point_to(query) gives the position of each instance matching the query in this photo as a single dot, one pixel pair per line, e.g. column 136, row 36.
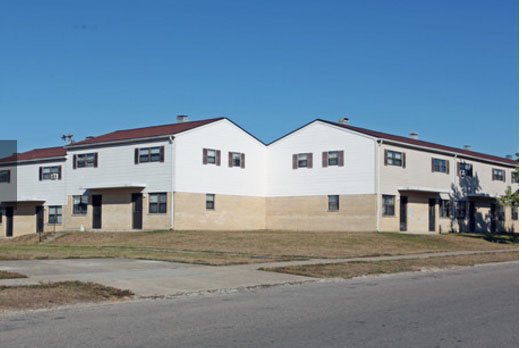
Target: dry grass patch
column 360, row 268
column 47, row 295
column 221, row 247
column 11, row 275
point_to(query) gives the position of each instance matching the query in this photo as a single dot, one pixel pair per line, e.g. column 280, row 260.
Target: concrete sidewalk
column 160, row 278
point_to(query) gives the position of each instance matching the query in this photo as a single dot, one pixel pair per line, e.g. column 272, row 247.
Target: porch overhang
column 27, row 200
column 417, row 189
column 481, row 197
column 120, row 186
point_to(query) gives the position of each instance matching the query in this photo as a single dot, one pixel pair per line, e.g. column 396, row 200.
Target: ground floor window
column 388, row 205
column 444, row 208
column 333, row 203
column 514, row 213
column 461, row 210
column 210, row 201
column 157, row 203
column 55, row 214
column 80, row 205
column 501, row 215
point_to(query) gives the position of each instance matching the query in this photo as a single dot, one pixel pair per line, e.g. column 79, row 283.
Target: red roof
column 417, row 142
column 36, row 154
column 146, row 132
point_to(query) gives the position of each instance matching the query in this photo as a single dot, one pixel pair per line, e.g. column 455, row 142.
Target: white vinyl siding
column 356, row 178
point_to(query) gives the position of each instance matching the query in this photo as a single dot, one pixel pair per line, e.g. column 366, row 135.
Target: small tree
column 511, row 197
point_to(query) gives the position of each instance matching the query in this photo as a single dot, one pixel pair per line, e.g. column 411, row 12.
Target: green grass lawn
column 223, row 247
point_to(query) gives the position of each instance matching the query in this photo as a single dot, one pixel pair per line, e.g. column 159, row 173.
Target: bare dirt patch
column 11, row 275
column 360, row 268
column 47, row 295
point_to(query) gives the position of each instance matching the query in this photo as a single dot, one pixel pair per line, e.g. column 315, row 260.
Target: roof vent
column 68, row 138
column 509, row 156
column 414, row 135
column 89, row 137
column 182, row 118
column 467, row 147
column 344, row 120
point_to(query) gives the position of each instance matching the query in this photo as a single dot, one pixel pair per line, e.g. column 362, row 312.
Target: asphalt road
column 473, row 307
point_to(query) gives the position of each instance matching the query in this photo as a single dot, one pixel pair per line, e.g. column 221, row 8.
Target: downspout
column 171, row 142
column 378, row 143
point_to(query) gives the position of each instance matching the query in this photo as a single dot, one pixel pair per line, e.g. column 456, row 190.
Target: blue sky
column 445, row 69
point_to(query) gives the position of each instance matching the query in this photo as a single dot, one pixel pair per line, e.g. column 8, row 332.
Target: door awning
column 109, row 186
column 424, row 190
column 23, row 200
column 481, row 197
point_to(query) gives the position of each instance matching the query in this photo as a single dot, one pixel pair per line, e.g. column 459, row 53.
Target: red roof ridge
column 417, row 142
column 35, row 154
column 145, row 132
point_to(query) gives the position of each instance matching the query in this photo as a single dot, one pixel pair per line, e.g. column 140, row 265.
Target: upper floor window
column 236, row 159
column 465, row 169
column 302, row 160
column 444, row 208
column 85, row 160
column 514, row 177
column 211, row 156
column 394, row 158
column 55, row 214
column 333, row 203
column 388, row 205
column 439, row 165
column 333, row 158
column 51, row 173
column 498, row 174
column 157, row 203
column 80, row 205
column 149, row 154
column 5, row 176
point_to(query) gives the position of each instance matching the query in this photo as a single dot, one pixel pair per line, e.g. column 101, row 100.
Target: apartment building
column 32, row 192
column 214, row 175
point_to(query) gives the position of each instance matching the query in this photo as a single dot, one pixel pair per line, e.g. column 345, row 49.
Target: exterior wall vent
column 182, row 118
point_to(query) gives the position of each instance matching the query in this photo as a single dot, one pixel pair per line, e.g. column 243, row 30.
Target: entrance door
column 137, row 211
column 404, row 213
column 97, row 211
column 471, row 213
column 431, row 214
column 9, row 212
column 493, row 217
column 39, row 219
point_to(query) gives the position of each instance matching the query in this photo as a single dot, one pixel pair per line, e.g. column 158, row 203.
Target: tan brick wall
column 117, row 213
column 73, row 221
column 155, row 221
column 357, row 213
column 418, row 209
column 417, row 215
column 24, row 221
column 230, row 213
